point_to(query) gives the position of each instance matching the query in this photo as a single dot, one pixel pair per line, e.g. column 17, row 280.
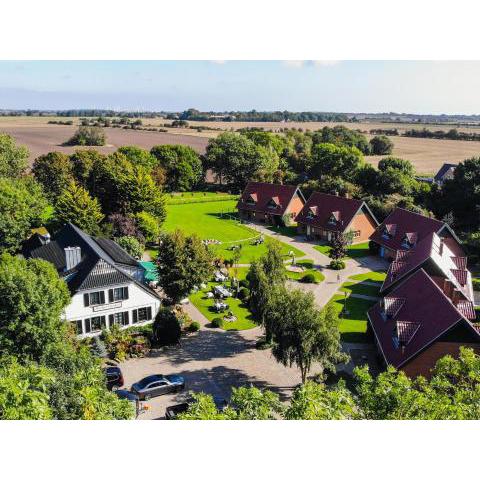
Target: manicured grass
column 370, row 276
column 354, row 251
column 361, row 289
column 241, row 272
column 194, row 197
column 308, row 266
column 240, row 310
column 209, row 221
column 354, row 326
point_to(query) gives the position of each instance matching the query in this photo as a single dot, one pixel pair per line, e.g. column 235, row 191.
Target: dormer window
column 252, row 199
column 403, row 332
column 389, row 231
column 273, row 203
column 312, row 212
column 409, row 240
column 391, row 306
column 334, row 218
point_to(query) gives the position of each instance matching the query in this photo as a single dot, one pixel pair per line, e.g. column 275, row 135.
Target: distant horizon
column 355, row 87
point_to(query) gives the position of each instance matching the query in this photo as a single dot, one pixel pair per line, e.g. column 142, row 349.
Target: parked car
column 155, row 385
column 172, row 412
column 114, row 377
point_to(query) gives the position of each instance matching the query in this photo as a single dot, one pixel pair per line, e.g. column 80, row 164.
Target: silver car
column 155, row 385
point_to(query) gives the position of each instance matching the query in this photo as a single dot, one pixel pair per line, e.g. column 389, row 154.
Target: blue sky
column 346, row 86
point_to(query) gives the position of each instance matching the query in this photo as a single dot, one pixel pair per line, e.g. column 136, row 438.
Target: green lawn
column 205, row 305
column 354, row 325
column 308, row 266
column 208, row 220
column 194, row 197
column 370, row 276
column 241, row 272
column 354, row 251
column 361, row 289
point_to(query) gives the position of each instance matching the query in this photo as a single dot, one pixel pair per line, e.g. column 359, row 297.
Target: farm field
column 205, row 219
column 427, row 155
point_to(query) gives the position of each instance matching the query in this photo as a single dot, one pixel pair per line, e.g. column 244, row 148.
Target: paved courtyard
column 213, row 361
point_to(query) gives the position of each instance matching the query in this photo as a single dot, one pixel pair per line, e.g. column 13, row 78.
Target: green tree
column 202, row 408
column 166, row 327
column 302, row 334
column 22, row 207
column 88, row 136
column 339, row 245
column 314, row 401
column 343, row 137
column 32, row 298
column 381, row 145
column 131, row 245
column 183, row 263
column 237, row 160
column 139, row 156
column 13, row 159
column 54, row 172
column 24, row 391
column 182, row 166
column 76, row 206
column 404, row 166
column 83, row 164
column 334, row 160
column 148, row 226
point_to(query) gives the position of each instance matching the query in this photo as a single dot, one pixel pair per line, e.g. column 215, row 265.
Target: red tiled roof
column 460, row 262
column 392, row 305
column 460, row 275
column 402, row 222
column 265, row 193
column 467, row 309
column 324, row 206
column 425, row 315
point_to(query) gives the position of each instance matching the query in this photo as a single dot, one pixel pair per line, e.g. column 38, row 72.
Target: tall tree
column 13, row 158
column 54, row 172
column 32, row 298
column 139, row 156
column 339, row 245
column 181, row 164
column 334, row 160
column 75, row 205
column 183, row 263
column 22, row 207
column 302, row 334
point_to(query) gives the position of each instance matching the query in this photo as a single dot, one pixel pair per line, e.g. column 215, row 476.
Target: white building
column 106, row 283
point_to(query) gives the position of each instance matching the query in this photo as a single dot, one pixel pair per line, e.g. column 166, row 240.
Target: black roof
column 101, row 260
column 443, row 170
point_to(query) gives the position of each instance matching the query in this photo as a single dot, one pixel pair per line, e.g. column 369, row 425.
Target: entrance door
column 382, row 251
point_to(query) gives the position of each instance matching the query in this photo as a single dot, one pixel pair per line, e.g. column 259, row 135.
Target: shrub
column 98, row 348
column 91, row 136
column 337, row 265
column 166, row 328
column 244, row 283
column 262, row 344
column 243, row 293
column 194, row 327
column 476, row 284
column 124, row 343
column 308, row 278
column 217, row 322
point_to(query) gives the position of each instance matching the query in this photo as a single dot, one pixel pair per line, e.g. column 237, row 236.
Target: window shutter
column 125, row 293
column 110, row 295
column 135, row 316
column 86, row 299
column 102, row 297
column 149, row 313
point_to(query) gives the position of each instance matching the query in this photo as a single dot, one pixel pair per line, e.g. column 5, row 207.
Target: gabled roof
column 402, row 222
column 425, row 314
column 445, row 168
column 324, row 206
column 431, row 248
column 101, row 260
column 265, row 194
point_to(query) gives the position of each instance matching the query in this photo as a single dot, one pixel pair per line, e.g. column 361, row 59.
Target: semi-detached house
column 106, row 284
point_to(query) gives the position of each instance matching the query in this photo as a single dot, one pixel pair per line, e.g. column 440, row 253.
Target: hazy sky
column 347, row 86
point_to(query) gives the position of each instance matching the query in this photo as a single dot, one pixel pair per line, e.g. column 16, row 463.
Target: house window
column 117, row 294
column 78, row 327
column 120, row 318
column 142, row 315
column 332, row 220
column 356, row 233
column 95, row 324
column 94, row 298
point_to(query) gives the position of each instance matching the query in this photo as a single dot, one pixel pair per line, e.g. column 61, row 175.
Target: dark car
column 114, row 377
column 173, row 411
column 155, row 385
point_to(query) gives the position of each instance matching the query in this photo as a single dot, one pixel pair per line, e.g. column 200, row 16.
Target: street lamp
column 345, row 312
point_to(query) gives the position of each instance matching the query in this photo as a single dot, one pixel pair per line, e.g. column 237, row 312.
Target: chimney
column 73, row 256
column 336, row 193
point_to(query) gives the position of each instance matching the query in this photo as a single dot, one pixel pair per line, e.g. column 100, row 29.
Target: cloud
column 310, row 63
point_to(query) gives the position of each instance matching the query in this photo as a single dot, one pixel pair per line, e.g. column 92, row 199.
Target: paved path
column 333, row 278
